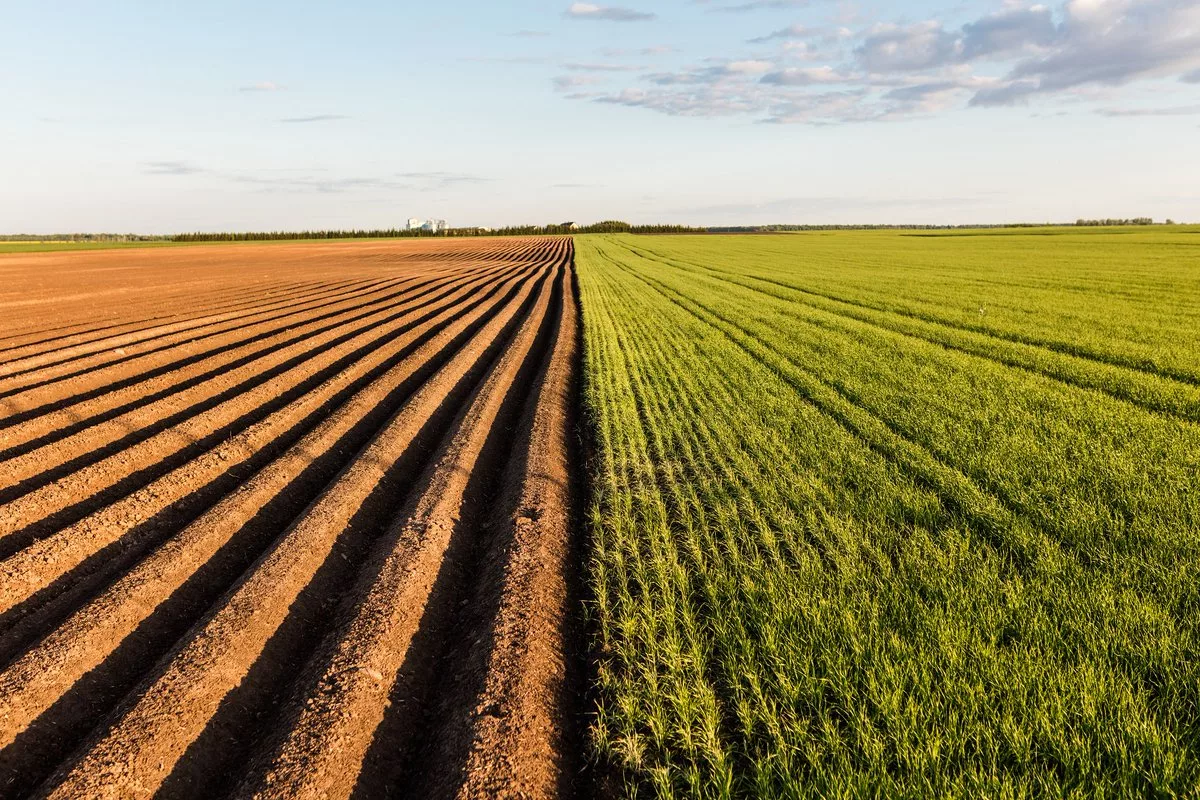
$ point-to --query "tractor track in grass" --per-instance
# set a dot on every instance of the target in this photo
(303, 529)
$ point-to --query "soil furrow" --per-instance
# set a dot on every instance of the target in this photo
(66, 475)
(94, 635)
(40, 560)
(510, 731)
(137, 753)
(58, 356)
(330, 727)
(163, 348)
(228, 378)
(136, 518)
(253, 294)
(306, 456)
(167, 364)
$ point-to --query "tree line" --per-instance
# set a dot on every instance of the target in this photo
(1104, 223)
(82, 237)
(554, 228)
(607, 226)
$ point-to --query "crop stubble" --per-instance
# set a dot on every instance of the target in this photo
(287, 520)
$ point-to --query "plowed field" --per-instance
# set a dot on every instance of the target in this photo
(286, 520)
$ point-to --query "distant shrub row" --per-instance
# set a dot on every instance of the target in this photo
(608, 226)
(1101, 223)
(82, 237)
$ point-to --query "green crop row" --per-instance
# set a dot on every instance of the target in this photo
(851, 537)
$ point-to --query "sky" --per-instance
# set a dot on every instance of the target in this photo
(164, 116)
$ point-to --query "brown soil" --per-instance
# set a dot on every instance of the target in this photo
(287, 520)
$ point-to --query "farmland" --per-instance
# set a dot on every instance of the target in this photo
(818, 514)
(895, 513)
(255, 498)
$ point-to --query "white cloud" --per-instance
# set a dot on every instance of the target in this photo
(907, 48)
(892, 71)
(1107, 43)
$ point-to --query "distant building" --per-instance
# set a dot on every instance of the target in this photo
(431, 225)
(569, 226)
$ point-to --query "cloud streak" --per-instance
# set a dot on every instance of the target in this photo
(591, 11)
(261, 86)
(1176, 111)
(314, 180)
(171, 168)
(313, 118)
(441, 180)
(754, 5)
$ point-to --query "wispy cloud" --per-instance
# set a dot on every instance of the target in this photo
(315, 179)
(783, 208)
(506, 59)
(790, 32)
(566, 83)
(754, 5)
(1175, 111)
(314, 118)
(526, 34)
(607, 13)
(592, 67)
(441, 180)
(620, 52)
(261, 86)
(318, 184)
(171, 168)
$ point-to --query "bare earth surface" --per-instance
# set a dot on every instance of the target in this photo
(287, 520)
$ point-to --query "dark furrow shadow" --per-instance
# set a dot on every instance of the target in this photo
(225, 305)
(59, 599)
(55, 405)
(39, 750)
(217, 760)
(319, 295)
(403, 758)
(138, 435)
(172, 345)
(143, 400)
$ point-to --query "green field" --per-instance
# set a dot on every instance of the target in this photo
(895, 514)
(52, 246)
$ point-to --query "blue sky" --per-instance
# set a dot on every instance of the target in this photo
(170, 116)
